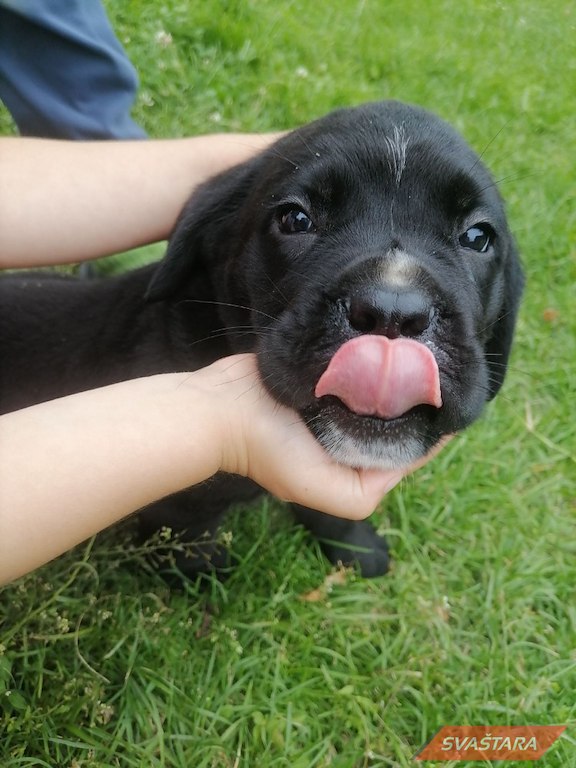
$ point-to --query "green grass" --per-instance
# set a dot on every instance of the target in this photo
(102, 665)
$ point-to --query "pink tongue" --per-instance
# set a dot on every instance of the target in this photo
(377, 376)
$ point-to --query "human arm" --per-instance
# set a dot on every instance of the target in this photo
(66, 201)
(73, 466)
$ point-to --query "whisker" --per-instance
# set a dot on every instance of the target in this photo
(243, 329)
(308, 147)
(489, 144)
(276, 287)
(501, 317)
(228, 304)
(510, 177)
(275, 151)
(231, 332)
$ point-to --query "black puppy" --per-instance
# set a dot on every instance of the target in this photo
(367, 260)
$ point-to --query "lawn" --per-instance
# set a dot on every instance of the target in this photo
(288, 663)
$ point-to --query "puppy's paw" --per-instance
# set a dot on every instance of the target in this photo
(348, 542)
(363, 549)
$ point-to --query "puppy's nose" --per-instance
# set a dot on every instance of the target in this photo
(390, 312)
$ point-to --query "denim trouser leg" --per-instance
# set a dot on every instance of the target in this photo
(63, 73)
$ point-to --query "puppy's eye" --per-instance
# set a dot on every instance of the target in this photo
(295, 221)
(478, 238)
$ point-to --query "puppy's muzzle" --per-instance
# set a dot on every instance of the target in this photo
(385, 364)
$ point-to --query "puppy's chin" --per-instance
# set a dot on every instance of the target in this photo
(362, 455)
(372, 444)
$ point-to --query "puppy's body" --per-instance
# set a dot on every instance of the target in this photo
(370, 224)
(60, 335)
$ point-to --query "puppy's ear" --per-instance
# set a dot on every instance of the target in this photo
(201, 228)
(499, 344)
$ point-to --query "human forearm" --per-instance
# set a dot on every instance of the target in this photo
(71, 467)
(63, 201)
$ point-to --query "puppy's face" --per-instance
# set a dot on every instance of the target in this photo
(372, 250)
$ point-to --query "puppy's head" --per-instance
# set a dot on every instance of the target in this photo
(370, 254)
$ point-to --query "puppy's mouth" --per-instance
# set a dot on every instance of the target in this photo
(382, 378)
(376, 403)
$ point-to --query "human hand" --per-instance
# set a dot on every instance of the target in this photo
(270, 444)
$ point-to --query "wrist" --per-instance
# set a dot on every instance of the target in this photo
(233, 396)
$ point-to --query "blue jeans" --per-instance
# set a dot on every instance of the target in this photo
(63, 73)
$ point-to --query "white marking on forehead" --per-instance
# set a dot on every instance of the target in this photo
(399, 269)
(397, 145)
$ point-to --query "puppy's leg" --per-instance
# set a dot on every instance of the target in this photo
(193, 518)
(186, 535)
(348, 542)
